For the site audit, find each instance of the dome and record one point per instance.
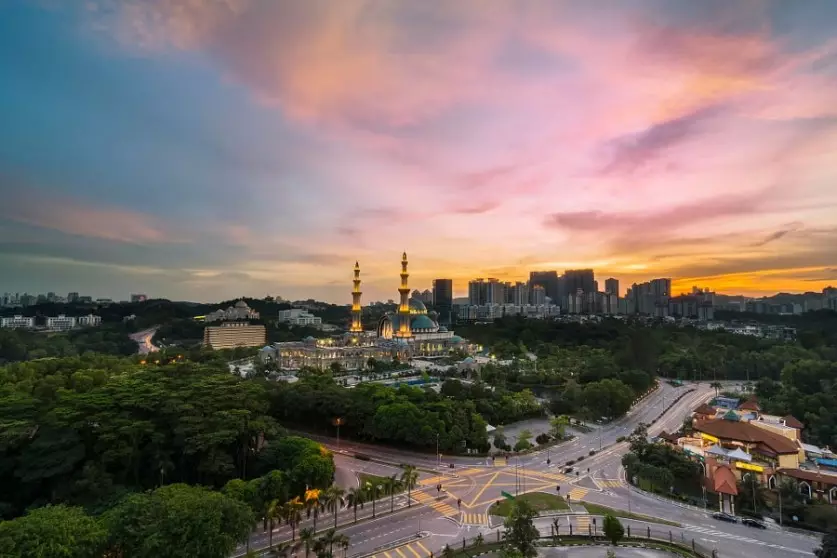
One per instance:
(309, 339)
(241, 304)
(422, 322)
(443, 329)
(456, 339)
(417, 306)
(468, 360)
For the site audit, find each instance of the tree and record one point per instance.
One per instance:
(53, 532)
(152, 524)
(293, 514)
(499, 439)
(520, 530)
(334, 500)
(613, 529)
(523, 442)
(828, 546)
(313, 505)
(274, 511)
(409, 478)
(374, 491)
(717, 386)
(558, 425)
(355, 497)
(307, 536)
(391, 486)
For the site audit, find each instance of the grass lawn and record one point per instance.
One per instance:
(540, 501)
(596, 509)
(375, 480)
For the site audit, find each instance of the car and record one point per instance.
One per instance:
(721, 516)
(750, 522)
(568, 470)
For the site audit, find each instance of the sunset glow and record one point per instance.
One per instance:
(206, 149)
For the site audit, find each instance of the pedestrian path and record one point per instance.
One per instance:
(440, 506)
(609, 483)
(551, 476)
(414, 549)
(474, 519)
(577, 493)
(582, 523)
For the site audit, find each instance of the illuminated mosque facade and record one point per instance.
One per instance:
(408, 332)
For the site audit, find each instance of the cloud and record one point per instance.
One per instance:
(775, 236)
(637, 151)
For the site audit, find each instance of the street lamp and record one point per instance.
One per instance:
(337, 422)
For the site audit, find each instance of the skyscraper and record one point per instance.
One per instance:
(486, 291)
(575, 279)
(549, 281)
(443, 299)
(612, 286)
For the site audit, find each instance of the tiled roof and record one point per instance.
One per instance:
(749, 405)
(793, 422)
(705, 410)
(810, 476)
(746, 432)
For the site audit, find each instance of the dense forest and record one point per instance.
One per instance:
(20, 344)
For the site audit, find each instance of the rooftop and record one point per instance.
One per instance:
(745, 432)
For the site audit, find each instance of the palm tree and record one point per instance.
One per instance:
(307, 537)
(343, 541)
(334, 500)
(313, 504)
(409, 477)
(391, 486)
(274, 510)
(373, 490)
(717, 387)
(293, 515)
(355, 497)
(479, 540)
(329, 538)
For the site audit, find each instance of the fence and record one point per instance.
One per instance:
(592, 534)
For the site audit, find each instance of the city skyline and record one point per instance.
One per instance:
(208, 150)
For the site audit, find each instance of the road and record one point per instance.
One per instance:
(459, 510)
(143, 340)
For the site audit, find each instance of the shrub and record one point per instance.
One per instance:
(592, 452)
(543, 438)
(570, 462)
(620, 439)
(580, 458)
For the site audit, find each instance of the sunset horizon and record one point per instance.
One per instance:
(207, 150)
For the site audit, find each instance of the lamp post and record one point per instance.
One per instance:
(438, 456)
(337, 422)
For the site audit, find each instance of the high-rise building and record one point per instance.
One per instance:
(517, 293)
(537, 295)
(575, 279)
(72, 297)
(443, 299)
(486, 291)
(612, 286)
(549, 281)
(650, 298)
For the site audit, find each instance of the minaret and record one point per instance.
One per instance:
(404, 331)
(357, 327)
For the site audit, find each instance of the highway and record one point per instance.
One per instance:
(143, 340)
(459, 510)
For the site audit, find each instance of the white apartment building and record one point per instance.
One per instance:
(15, 322)
(89, 321)
(60, 323)
(300, 317)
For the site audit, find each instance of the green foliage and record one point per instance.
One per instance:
(661, 465)
(403, 415)
(828, 546)
(20, 345)
(520, 531)
(178, 521)
(612, 529)
(53, 532)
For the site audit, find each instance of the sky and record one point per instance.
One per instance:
(208, 149)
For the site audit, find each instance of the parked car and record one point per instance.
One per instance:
(750, 522)
(721, 516)
(568, 470)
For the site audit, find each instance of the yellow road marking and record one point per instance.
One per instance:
(471, 471)
(416, 554)
(423, 548)
(398, 550)
(477, 497)
(578, 493)
(499, 461)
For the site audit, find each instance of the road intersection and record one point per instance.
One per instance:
(451, 504)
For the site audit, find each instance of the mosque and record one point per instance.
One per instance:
(411, 331)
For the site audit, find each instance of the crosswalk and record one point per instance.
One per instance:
(440, 506)
(577, 494)
(412, 550)
(609, 483)
(472, 471)
(499, 461)
(474, 519)
(582, 523)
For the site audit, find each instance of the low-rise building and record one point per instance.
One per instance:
(241, 311)
(234, 334)
(18, 322)
(61, 323)
(300, 317)
(90, 320)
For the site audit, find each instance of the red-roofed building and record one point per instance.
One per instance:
(750, 405)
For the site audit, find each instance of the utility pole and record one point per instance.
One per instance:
(438, 456)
